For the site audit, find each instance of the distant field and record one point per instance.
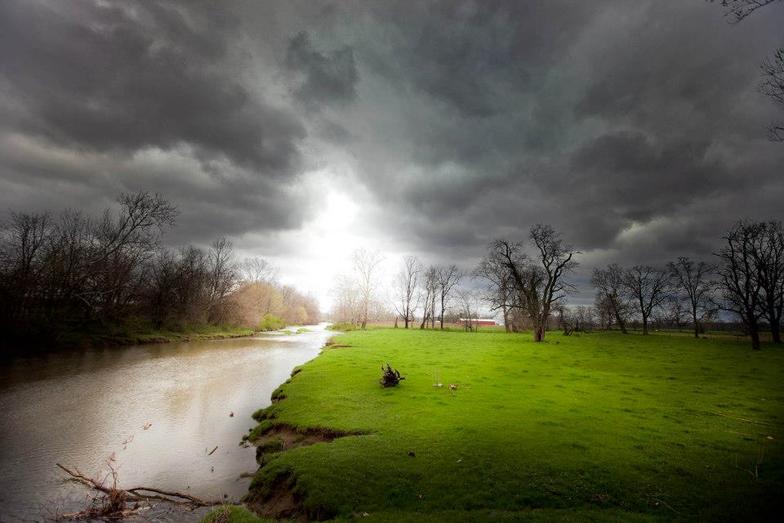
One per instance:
(593, 426)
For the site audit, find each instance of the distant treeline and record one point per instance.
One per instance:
(528, 285)
(66, 276)
(745, 279)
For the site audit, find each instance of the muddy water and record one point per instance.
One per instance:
(157, 409)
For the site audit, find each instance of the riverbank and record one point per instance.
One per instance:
(78, 407)
(126, 336)
(202, 333)
(599, 426)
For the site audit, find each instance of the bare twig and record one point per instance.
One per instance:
(113, 504)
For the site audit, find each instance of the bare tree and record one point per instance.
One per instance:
(365, 265)
(739, 277)
(737, 10)
(348, 303)
(407, 282)
(222, 279)
(24, 243)
(501, 286)
(538, 281)
(604, 311)
(65, 277)
(429, 291)
(256, 270)
(585, 318)
(468, 303)
(648, 287)
(769, 263)
(674, 311)
(611, 296)
(121, 244)
(772, 84)
(694, 280)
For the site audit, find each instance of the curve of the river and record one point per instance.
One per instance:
(158, 409)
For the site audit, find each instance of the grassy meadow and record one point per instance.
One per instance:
(596, 426)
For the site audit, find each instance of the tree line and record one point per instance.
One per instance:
(745, 279)
(421, 295)
(528, 284)
(62, 275)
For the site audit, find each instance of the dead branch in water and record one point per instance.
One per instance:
(113, 505)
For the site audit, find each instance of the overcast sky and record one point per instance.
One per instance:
(303, 130)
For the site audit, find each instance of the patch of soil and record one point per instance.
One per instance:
(282, 437)
(330, 344)
(279, 504)
(280, 501)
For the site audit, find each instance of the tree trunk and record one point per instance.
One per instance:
(696, 323)
(539, 331)
(755, 339)
(621, 323)
(644, 325)
(775, 331)
(775, 323)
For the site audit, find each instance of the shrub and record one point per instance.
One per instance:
(270, 322)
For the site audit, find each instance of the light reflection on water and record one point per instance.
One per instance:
(77, 408)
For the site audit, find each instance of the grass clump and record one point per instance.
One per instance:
(343, 326)
(599, 427)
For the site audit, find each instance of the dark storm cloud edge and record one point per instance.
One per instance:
(465, 122)
(113, 81)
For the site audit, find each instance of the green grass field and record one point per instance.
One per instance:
(596, 426)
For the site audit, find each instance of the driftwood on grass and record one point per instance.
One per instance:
(391, 377)
(114, 503)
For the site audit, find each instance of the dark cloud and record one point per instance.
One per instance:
(325, 78)
(599, 118)
(635, 128)
(102, 83)
(137, 75)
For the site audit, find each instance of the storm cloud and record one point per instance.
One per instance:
(637, 129)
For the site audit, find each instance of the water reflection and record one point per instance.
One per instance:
(77, 408)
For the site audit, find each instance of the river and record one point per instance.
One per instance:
(157, 409)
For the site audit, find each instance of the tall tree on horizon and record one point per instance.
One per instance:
(365, 266)
(769, 262)
(407, 282)
(539, 280)
(609, 283)
(447, 277)
(739, 278)
(694, 280)
(648, 287)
